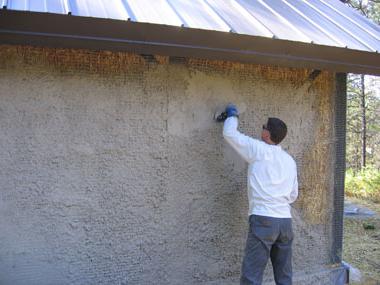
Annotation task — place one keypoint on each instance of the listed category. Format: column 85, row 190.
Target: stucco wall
column 113, row 172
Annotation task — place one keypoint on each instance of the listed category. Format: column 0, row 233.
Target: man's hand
column 232, row 111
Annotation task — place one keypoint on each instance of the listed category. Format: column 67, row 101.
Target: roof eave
column 64, row 31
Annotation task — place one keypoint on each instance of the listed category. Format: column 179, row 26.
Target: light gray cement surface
column 113, row 172
column 352, row 210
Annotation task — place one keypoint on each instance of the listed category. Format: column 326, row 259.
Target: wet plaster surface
column 114, row 172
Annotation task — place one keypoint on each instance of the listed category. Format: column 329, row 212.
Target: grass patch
column 361, row 243
column 364, row 184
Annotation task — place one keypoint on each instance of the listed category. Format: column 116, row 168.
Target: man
column 272, row 187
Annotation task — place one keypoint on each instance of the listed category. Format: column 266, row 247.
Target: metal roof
column 322, row 23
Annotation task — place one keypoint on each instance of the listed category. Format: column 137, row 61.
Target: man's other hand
column 232, row 111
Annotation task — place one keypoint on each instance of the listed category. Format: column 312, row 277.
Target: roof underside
column 323, row 34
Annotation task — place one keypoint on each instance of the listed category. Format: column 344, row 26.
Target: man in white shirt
column 272, row 187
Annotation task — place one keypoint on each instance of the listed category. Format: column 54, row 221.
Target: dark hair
column 277, row 129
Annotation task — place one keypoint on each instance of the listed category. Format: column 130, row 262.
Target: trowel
column 220, row 116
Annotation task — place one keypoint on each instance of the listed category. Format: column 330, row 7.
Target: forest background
column 363, row 123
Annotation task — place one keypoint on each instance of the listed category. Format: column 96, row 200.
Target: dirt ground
column 361, row 243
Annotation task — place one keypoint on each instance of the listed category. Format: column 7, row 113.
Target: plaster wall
column 113, row 171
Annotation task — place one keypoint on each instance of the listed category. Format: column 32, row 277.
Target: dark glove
column 232, row 111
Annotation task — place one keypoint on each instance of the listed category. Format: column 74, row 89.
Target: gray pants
column 268, row 237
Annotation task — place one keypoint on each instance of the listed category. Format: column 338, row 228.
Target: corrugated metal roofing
column 323, row 22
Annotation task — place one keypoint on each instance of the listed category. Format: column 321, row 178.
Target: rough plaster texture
column 113, row 172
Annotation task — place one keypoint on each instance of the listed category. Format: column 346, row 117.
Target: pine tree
column 363, row 106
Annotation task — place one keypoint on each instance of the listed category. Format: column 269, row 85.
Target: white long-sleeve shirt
column 272, row 173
